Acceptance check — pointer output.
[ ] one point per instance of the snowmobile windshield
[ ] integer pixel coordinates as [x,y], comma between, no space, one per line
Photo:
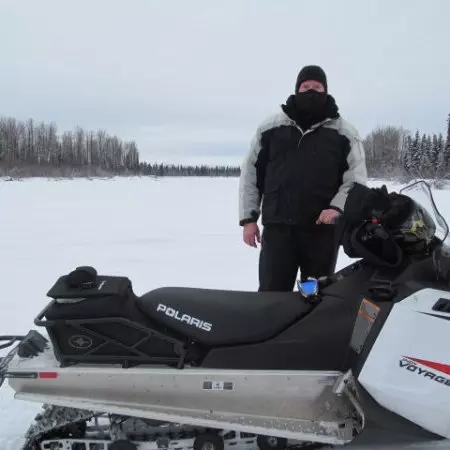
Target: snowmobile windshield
[421,193]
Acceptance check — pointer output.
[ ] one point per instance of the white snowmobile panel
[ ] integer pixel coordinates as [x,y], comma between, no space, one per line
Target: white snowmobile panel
[408,368]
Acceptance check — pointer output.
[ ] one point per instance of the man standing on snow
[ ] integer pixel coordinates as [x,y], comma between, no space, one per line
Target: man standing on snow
[301,164]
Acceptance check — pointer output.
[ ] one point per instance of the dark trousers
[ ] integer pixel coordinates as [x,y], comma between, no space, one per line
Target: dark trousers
[286,248]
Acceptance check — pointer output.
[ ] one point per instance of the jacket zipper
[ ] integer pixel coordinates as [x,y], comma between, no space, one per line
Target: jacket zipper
[309,130]
[304,133]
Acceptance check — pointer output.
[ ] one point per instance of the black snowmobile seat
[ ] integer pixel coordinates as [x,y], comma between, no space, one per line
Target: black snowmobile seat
[217,317]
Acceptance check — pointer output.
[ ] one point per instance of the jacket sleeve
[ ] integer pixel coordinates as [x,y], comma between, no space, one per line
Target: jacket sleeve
[356,171]
[249,192]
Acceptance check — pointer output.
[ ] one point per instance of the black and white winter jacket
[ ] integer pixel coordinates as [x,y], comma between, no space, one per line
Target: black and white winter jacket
[296,174]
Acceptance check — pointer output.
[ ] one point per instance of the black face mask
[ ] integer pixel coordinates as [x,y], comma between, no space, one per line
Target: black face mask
[310,102]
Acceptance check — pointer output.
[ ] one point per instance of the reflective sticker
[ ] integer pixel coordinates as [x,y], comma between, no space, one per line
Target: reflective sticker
[368,310]
[367,314]
[48,375]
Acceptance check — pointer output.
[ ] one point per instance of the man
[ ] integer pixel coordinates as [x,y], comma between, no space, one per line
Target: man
[301,164]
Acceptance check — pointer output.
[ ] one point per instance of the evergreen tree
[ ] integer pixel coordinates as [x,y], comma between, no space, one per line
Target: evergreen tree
[415,154]
[440,145]
[439,152]
[423,145]
[407,161]
[426,167]
[433,154]
[446,148]
[429,146]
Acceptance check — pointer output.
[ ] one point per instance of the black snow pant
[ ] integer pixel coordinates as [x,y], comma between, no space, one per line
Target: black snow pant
[287,248]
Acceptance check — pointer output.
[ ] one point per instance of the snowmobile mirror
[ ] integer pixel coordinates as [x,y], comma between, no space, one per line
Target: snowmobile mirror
[309,287]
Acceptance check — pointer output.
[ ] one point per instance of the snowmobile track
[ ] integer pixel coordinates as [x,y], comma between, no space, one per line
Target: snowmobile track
[55,419]
[61,423]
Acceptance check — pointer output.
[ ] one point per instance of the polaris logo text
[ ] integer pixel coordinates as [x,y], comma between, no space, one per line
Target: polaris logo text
[413,367]
[175,314]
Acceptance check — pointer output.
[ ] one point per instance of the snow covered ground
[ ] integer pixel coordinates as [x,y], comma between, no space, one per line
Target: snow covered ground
[157,232]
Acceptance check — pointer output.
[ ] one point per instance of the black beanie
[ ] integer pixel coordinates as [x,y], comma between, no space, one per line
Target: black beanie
[315,73]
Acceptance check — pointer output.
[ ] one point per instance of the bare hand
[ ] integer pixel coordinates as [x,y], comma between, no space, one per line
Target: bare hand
[251,234]
[328,216]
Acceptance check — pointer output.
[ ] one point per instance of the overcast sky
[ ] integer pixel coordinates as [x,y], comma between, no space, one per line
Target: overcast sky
[191,80]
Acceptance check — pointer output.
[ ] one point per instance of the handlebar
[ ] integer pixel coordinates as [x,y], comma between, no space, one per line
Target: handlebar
[4,362]
[10,340]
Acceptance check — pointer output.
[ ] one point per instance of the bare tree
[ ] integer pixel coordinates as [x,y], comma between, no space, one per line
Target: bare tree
[385,150]
[28,148]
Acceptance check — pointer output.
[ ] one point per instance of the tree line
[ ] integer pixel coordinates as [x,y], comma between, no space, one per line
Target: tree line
[36,149]
[29,148]
[174,170]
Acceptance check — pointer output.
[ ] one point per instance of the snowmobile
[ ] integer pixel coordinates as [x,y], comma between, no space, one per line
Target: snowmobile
[347,360]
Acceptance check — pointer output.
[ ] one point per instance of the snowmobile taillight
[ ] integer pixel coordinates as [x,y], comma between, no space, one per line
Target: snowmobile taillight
[48,375]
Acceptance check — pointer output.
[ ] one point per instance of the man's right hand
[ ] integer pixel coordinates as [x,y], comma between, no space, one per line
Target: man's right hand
[251,234]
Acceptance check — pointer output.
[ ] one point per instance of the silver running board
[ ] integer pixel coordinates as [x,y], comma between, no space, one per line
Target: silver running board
[299,405]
